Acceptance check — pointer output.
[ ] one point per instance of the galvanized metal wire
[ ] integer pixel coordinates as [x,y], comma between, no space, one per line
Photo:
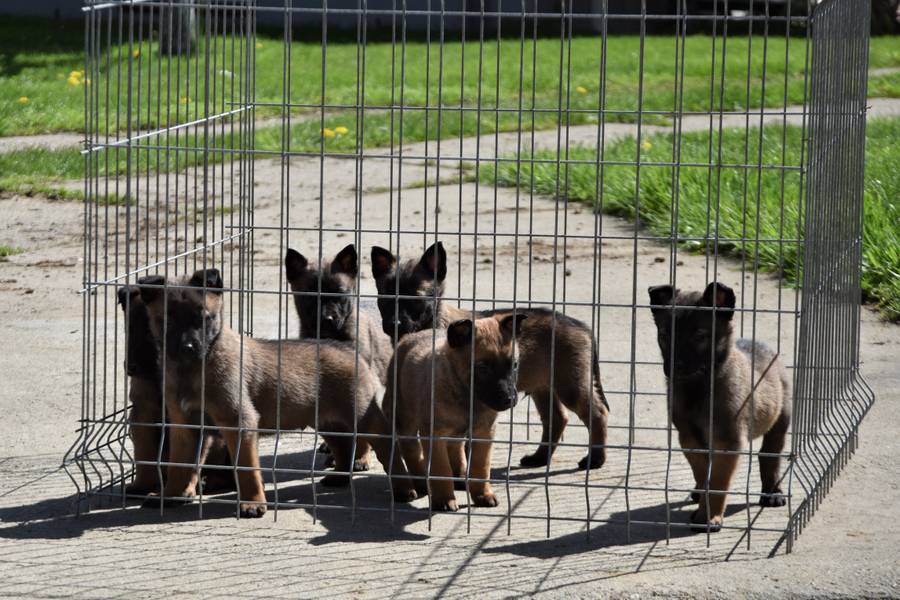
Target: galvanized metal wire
[172,160]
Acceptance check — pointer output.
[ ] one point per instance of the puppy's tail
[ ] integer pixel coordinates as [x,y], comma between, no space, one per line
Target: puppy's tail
[595,375]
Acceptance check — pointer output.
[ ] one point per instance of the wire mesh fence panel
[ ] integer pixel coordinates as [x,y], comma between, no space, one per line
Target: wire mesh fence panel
[548,267]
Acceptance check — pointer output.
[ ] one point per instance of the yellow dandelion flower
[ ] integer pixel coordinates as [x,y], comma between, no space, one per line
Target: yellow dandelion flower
[259,45]
[74,81]
[184,100]
[136,54]
[329,133]
[581,89]
[75,74]
[341,130]
[23,99]
[646,145]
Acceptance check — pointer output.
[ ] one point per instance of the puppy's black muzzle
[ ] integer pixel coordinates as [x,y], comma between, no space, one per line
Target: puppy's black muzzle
[400,327]
[330,326]
[498,395]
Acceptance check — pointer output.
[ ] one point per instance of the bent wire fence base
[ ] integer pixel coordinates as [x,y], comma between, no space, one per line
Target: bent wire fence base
[220,134]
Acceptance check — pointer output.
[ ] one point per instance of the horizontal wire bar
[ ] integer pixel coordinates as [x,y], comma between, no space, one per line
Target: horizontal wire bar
[97,146]
[521,304]
[529,234]
[461,513]
[324,10]
[489,108]
[443,438]
[444,158]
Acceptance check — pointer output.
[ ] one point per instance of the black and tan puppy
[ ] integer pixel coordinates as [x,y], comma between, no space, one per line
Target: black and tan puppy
[145,419]
[334,315]
[410,300]
[445,365]
[743,382]
[245,385]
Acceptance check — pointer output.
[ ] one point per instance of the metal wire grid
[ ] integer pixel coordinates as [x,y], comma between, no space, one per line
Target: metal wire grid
[171,157]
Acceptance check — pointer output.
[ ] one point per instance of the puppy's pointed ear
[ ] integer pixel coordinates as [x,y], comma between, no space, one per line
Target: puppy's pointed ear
[295,265]
[722,297]
[154,293]
[511,325]
[346,262]
[434,262]
[383,262]
[459,333]
[209,278]
[661,296]
[126,293]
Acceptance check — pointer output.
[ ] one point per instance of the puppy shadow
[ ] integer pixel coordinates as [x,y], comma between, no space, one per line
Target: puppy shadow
[522,473]
[293,466]
[615,532]
[58,518]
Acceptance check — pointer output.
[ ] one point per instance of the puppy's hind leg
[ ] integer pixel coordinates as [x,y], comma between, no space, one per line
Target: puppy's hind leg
[374,422]
[341,451]
[592,411]
[414,456]
[770,466]
[145,436]
[553,420]
[217,480]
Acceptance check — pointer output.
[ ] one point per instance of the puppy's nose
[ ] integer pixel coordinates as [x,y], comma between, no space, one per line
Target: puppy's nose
[329,319]
[189,345]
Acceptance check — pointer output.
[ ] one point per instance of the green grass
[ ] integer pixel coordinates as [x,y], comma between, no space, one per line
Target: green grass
[37,57]
[9,250]
[38,170]
[736,203]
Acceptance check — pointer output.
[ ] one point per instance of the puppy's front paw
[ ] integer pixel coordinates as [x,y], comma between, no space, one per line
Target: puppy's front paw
[219,482]
[773,499]
[252,511]
[361,464]
[404,493]
[421,487]
[538,459]
[142,489]
[445,505]
[699,522]
[488,500]
[153,501]
[592,461]
[335,480]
